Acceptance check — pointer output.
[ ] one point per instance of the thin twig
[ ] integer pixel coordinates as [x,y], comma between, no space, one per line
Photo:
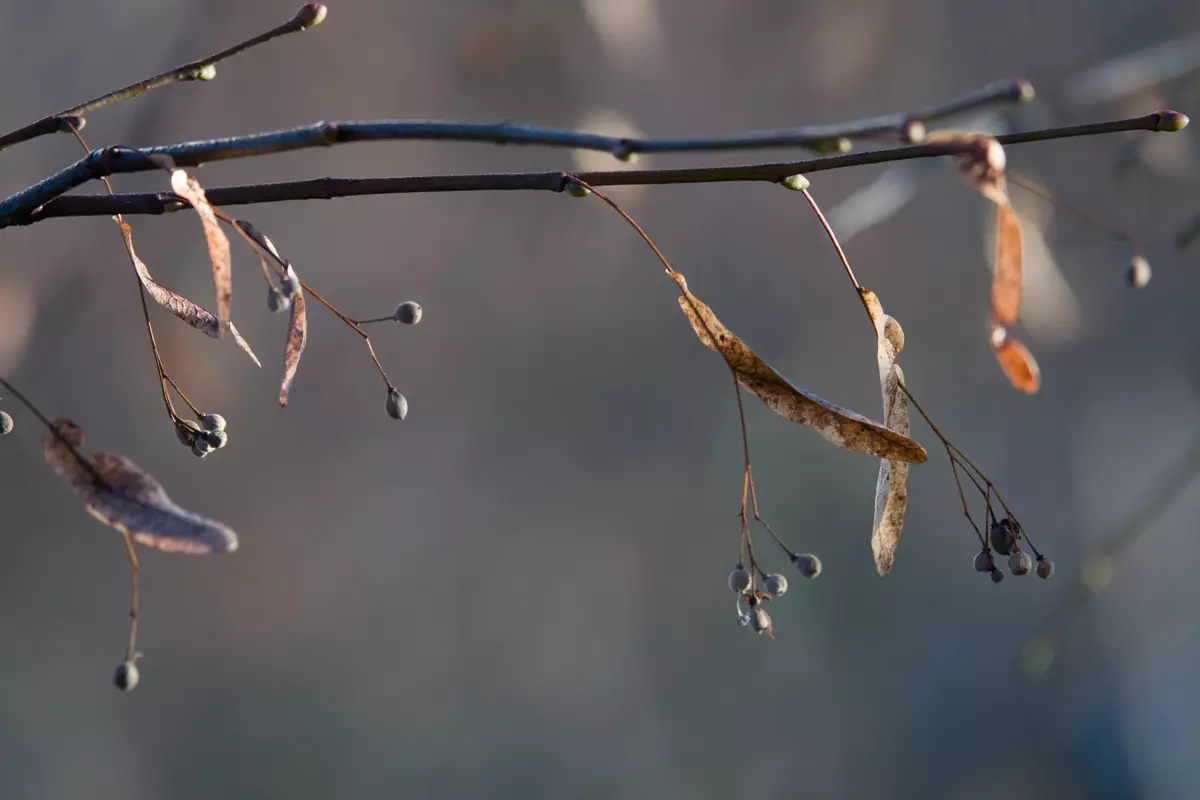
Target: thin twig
[74,117]
[135,573]
[26,206]
[1079,214]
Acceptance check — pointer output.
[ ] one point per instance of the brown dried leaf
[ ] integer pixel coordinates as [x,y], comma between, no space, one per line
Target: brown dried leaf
[189,189]
[891,488]
[260,242]
[120,494]
[1006,281]
[980,159]
[838,425]
[296,339]
[1018,363]
[177,304]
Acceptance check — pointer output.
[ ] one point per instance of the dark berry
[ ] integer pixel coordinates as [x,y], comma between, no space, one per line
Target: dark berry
[1045,568]
[997,576]
[1002,536]
[984,561]
[397,406]
[808,564]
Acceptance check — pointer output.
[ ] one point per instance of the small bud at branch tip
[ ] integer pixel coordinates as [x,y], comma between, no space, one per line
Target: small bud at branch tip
[207,72]
[1170,121]
[311,14]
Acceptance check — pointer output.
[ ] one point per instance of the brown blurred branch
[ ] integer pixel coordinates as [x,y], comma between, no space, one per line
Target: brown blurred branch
[62,122]
[44,200]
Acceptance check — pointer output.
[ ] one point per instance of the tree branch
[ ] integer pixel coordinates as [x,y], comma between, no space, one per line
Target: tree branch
[38,202]
[308,16]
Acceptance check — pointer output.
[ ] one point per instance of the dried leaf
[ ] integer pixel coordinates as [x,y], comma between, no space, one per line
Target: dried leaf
[296,339]
[980,159]
[1018,363]
[841,426]
[260,241]
[1006,281]
[119,493]
[891,488]
[982,162]
[189,189]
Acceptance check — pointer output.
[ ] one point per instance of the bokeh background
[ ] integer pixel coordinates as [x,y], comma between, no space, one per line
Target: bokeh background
[521,590]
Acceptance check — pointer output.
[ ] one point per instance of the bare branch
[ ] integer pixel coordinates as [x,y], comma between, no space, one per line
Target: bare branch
[38,201]
[308,16]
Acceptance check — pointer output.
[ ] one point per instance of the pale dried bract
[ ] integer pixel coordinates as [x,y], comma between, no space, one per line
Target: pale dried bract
[891,488]
[189,189]
[296,339]
[177,304]
[845,428]
[119,493]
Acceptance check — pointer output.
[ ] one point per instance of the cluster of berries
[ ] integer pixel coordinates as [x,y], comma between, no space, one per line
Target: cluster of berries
[204,436]
[1005,538]
[742,582]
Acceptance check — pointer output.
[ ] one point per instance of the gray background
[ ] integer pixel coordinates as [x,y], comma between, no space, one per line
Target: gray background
[520,591]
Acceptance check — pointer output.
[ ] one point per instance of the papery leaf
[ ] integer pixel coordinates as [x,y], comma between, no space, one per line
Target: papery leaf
[120,494]
[177,304]
[189,189]
[1006,280]
[891,488]
[296,339]
[1016,361]
[981,161]
[259,241]
[845,428]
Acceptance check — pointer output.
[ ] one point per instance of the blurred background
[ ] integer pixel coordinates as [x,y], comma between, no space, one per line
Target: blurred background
[521,590]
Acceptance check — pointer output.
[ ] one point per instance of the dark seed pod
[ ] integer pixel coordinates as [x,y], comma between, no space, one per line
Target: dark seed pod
[6,424]
[997,576]
[984,561]
[1019,563]
[290,288]
[808,564]
[276,302]
[187,434]
[397,406]
[127,677]
[776,585]
[739,580]
[1045,568]
[212,422]
[216,439]
[409,313]
[1138,274]
[201,446]
[1002,536]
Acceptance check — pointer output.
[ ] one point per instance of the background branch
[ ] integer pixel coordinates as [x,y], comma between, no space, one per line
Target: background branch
[62,122]
[16,209]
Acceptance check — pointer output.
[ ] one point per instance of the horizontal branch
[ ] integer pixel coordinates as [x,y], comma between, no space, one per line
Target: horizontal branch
[204,69]
[328,188]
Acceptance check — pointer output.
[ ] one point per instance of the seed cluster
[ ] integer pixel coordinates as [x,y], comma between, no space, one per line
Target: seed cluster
[743,583]
[1004,538]
[203,437]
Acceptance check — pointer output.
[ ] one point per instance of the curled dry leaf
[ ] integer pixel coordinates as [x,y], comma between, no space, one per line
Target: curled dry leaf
[1006,280]
[840,426]
[259,240]
[189,189]
[1016,361]
[981,161]
[296,339]
[119,493]
[891,488]
[179,305]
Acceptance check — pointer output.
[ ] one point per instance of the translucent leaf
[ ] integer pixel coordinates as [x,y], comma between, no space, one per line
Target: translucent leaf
[1006,280]
[189,189]
[296,339]
[179,305]
[891,488]
[838,425]
[120,494]
[1016,361]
